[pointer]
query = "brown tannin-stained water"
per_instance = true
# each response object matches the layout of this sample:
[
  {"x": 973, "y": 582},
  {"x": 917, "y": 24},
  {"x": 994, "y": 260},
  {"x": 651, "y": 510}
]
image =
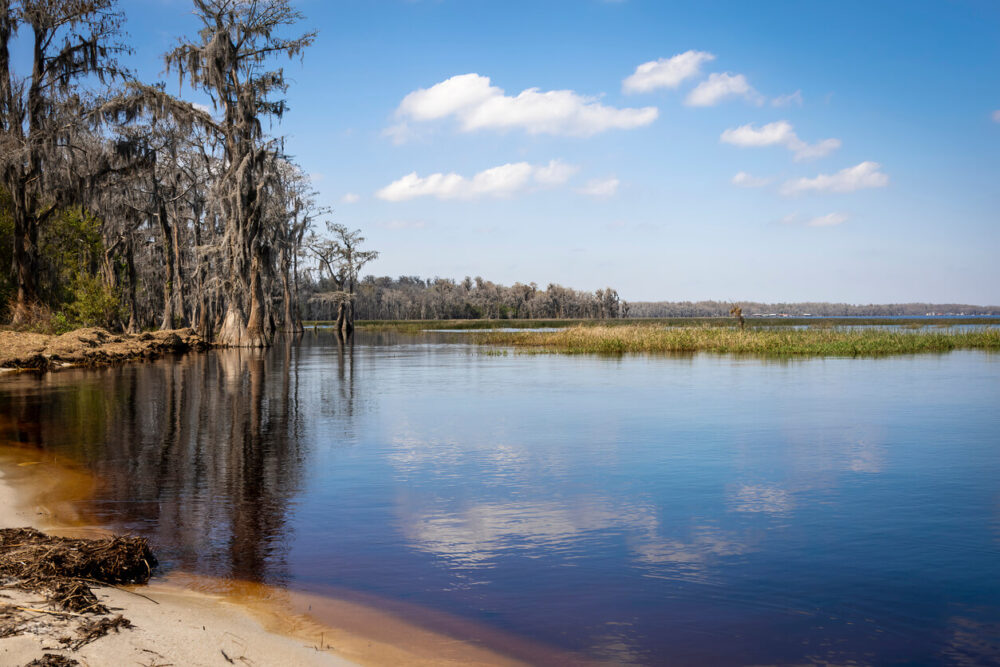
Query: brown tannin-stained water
[{"x": 647, "y": 510}]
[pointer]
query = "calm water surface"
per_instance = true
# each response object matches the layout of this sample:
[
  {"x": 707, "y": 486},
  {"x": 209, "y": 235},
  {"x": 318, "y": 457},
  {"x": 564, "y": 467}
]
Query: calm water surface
[{"x": 649, "y": 510}]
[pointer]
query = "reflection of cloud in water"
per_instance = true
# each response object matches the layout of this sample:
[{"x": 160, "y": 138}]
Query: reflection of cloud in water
[
  {"x": 477, "y": 536},
  {"x": 689, "y": 559},
  {"x": 617, "y": 646},
  {"x": 865, "y": 456},
  {"x": 765, "y": 499},
  {"x": 409, "y": 455},
  {"x": 972, "y": 642}
]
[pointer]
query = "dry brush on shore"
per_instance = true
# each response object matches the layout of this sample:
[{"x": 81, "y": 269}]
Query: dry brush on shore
[
  {"x": 90, "y": 347},
  {"x": 63, "y": 570}
]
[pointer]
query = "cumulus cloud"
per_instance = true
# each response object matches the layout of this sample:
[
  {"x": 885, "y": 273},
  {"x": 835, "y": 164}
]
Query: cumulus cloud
[
  {"x": 556, "y": 172},
  {"x": 779, "y": 133},
  {"x": 745, "y": 180},
  {"x": 600, "y": 187},
  {"x": 828, "y": 220},
  {"x": 502, "y": 181},
  {"x": 788, "y": 100},
  {"x": 666, "y": 72},
  {"x": 718, "y": 87},
  {"x": 478, "y": 105},
  {"x": 350, "y": 198},
  {"x": 864, "y": 175}
]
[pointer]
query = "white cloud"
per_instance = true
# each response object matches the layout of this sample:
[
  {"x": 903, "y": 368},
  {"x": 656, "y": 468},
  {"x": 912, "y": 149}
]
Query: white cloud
[
  {"x": 828, "y": 220},
  {"x": 204, "y": 108},
  {"x": 666, "y": 72},
  {"x": 478, "y": 105},
  {"x": 996, "y": 116},
  {"x": 600, "y": 187},
  {"x": 401, "y": 224},
  {"x": 779, "y": 133},
  {"x": 556, "y": 172},
  {"x": 400, "y": 133},
  {"x": 864, "y": 175},
  {"x": 350, "y": 198},
  {"x": 788, "y": 100},
  {"x": 501, "y": 181},
  {"x": 719, "y": 87},
  {"x": 745, "y": 180}
]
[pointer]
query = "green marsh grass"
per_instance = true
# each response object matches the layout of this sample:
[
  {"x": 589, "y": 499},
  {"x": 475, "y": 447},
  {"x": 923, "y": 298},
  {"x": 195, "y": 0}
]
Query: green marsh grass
[{"x": 838, "y": 342}]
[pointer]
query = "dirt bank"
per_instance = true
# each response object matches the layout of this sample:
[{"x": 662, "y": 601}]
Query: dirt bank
[{"x": 90, "y": 347}]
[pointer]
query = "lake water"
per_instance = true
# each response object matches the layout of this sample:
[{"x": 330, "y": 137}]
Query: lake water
[{"x": 647, "y": 510}]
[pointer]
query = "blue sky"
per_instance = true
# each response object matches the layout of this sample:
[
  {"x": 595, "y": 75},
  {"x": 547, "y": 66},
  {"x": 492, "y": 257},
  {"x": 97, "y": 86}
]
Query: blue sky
[{"x": 864, "y": 132}]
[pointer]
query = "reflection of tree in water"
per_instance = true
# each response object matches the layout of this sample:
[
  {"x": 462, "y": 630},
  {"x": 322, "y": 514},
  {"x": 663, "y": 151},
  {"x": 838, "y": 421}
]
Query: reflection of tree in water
[
  {"x": 227, "y": 463},
  {"x": 200, "y": 454}
]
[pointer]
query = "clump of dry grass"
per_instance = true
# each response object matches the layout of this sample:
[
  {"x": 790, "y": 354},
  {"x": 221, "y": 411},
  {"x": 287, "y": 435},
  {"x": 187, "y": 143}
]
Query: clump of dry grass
[{"x": 63, "y": 568}]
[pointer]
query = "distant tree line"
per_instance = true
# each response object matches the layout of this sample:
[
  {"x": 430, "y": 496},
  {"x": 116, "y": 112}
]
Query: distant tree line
[
  {"x": 415, "y": 298},
  {"x": 411, "y": 297},
  {"x": 754, "y": 308}
]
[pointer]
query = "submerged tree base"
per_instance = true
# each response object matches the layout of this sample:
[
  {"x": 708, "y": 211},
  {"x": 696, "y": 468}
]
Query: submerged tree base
[{"x": 839, "y": 342}]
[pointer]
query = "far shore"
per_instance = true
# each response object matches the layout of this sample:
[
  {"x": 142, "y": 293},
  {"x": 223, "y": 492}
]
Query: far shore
[{"x": 183, "y": 619}]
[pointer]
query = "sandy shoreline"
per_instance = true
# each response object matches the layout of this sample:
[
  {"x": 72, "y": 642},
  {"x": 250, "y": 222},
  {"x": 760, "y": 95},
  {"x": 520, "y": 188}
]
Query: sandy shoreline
[
  {"x": 185, "y": 619},
  {"x": 181, "y": 627}
]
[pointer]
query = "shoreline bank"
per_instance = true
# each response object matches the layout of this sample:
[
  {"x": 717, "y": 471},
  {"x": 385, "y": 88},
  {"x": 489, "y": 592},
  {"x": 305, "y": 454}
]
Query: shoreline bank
[
  {"x": 188, "y": 619},
  {"x": 26, "y": 351}
]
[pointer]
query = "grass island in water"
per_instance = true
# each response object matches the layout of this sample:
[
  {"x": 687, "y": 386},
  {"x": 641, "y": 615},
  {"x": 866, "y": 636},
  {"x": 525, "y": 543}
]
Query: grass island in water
[{"x": 770, "y": 337}]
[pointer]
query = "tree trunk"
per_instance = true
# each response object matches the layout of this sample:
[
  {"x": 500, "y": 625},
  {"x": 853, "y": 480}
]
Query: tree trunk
[
  {"x": 202, "y": 318},
  {"x": 178, "y": 279},
  {"x": 168, "y": 255},
  {"x": 238, "y": 331},
  {"x": 258, "y": 335},
  {"x": 348, "y": 319},
  {"x": 25, "y": 264},
  {"x": 297, "y": 310},
  {"x": 133, "y": 319},
  {"x": 233, "y": 331},
  {"x": 290, "y": 322},
  {"x": 341, "y": 317}
]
